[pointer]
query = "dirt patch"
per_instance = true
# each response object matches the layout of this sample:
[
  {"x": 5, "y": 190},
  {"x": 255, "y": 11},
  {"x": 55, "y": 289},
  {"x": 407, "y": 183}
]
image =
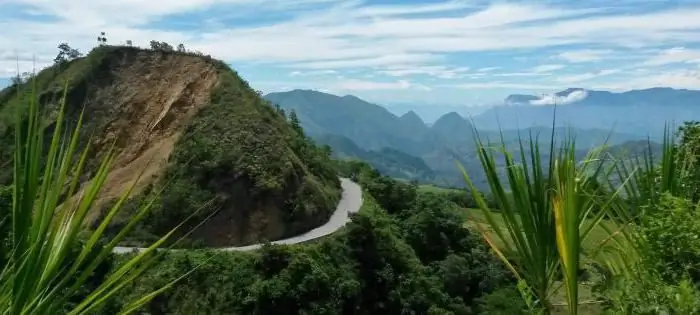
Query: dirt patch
[{"x": 145, "y": 123}]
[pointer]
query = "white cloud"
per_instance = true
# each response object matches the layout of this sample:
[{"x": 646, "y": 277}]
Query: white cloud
[
  {"x": 522, "y": 74},
  {"x": 442, "y": 72},
  {"x": 311, "y": 73},
  {"x": 432, "y": 39},
  {"x": 488, "y": 69},
  {"x": 547, "y": 68},
  {"x": 586, "y": 76},
  {"x": 551, "y": 99},
  {"x": 680, "y": 79},
  {"x": 386, "y": 60},
  {"x": 500, "y": 85},
  {"x": 360, "y": 85},
  {"x": 541, "y": 70},
  {"x": 584, "y": 55},
  {"x": 674, "y": 55},
  {"x": 357, "y": 32}
]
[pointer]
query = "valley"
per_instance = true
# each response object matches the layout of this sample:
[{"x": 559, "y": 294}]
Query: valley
[{"x": 405, "y": 147}]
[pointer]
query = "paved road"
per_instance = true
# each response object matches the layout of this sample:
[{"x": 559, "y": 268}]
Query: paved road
[{"x": 350, "y": 202}]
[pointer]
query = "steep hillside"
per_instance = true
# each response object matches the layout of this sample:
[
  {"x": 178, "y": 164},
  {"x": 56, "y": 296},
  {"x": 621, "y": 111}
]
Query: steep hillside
[
  {"x": 199, "y": 131},
  {"x": 369, "y": 125},
  {"x": 388, "y": 161}
]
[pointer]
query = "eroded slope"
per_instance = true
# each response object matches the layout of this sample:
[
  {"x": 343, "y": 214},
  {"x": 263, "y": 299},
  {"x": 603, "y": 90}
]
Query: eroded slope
[{"x": 191, "y": 122}]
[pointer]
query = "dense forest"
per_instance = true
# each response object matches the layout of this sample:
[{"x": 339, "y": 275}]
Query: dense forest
[{"x": 405, "y": 253}]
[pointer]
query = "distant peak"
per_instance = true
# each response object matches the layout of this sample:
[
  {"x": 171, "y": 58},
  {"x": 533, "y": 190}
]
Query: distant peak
[
  {"x": 569, "y": 91},
  {"x": 451, "y": 122},
  {"x": 412, "y": 117},
  {"x": 410, "y": 114},
  {"x": 352, "y": 97},
  {"x": 303, "y": 91},
  {"x": 452, "y": 115}
]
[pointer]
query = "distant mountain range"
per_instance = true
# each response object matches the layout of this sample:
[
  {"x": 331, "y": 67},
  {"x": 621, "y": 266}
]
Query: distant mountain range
[
  {"x": 431, "y": 112},
  {"x": 405, "y": 146},
  {"x": 639, "y": 112}
]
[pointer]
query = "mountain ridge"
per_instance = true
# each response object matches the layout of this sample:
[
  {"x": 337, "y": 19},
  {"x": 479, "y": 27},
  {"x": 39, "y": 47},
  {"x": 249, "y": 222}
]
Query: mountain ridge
[
  {"x": 648, "y": 96},
  {"x": 209, "y": 137},
  {"x": 447, "y": 141}
]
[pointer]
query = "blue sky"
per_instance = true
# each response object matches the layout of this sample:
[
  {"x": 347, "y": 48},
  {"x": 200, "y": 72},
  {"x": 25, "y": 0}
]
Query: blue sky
[{"x": 469, "y": 52}]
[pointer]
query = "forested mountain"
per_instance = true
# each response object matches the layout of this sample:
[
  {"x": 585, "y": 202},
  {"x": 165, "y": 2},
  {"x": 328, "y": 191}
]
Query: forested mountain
[
  {"x": 338, "y": 121},
  {"x": 388, "y": 161},
  {"x": 368, "y": 125}
]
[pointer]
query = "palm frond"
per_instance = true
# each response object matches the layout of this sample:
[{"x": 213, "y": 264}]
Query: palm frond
[{"x": 39, "y": 275}]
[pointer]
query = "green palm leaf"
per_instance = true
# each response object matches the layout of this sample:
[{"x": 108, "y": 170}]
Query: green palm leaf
[{"x": 36, "y": 277}]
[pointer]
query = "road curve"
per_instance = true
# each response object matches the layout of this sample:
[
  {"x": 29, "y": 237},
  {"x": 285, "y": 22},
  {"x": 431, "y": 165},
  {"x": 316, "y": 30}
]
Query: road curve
[{"x": 350, "y": 202}]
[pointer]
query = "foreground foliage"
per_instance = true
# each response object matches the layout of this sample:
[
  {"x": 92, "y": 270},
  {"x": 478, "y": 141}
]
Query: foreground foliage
[
  {"x": 650, "y": 254},
  {"x": 44, "y": 264}
]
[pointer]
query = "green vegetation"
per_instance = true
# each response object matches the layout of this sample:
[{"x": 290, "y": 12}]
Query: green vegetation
[
  {"x": 389, "y": 162},
  {"x": 553, "y": 208},
  {"x": 559, "y": 231},
  {"x": 415, "y": 259},
  {"x": 47, "y": 264},
  {"x": 241, "y": 148},
  {"x": 256, "y": 176},
  {"x": 437, "y": 189}
]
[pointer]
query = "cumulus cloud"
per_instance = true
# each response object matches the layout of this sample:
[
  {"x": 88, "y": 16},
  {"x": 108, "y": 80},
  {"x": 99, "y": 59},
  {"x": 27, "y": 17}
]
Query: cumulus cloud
[{"x": 552, "y": 99}]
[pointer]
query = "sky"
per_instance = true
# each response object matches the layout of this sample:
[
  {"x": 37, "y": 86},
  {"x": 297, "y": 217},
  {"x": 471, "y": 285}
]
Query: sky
[{"x": 461, "y": 52}]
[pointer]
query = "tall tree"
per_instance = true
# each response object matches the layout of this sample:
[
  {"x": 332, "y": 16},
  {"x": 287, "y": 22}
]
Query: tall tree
[{"x": 294, "y": 121}]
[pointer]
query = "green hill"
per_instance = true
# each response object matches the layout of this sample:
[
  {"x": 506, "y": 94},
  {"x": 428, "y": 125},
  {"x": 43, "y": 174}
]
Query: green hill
[{"x": 199, "y": 131}]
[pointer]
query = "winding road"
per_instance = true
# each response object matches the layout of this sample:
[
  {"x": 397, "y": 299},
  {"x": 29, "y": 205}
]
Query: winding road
[{"x": 350, "y": 202}]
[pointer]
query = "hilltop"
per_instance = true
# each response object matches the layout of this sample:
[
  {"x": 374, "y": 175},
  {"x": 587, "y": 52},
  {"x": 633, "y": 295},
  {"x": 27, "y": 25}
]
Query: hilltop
[{"x": 195, "y": 128}]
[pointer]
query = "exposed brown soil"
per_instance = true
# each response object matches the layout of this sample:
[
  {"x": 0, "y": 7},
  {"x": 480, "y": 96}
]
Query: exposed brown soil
[
  {"x": 144, "y": 123},
  {"x": 196, "y": 119}
]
